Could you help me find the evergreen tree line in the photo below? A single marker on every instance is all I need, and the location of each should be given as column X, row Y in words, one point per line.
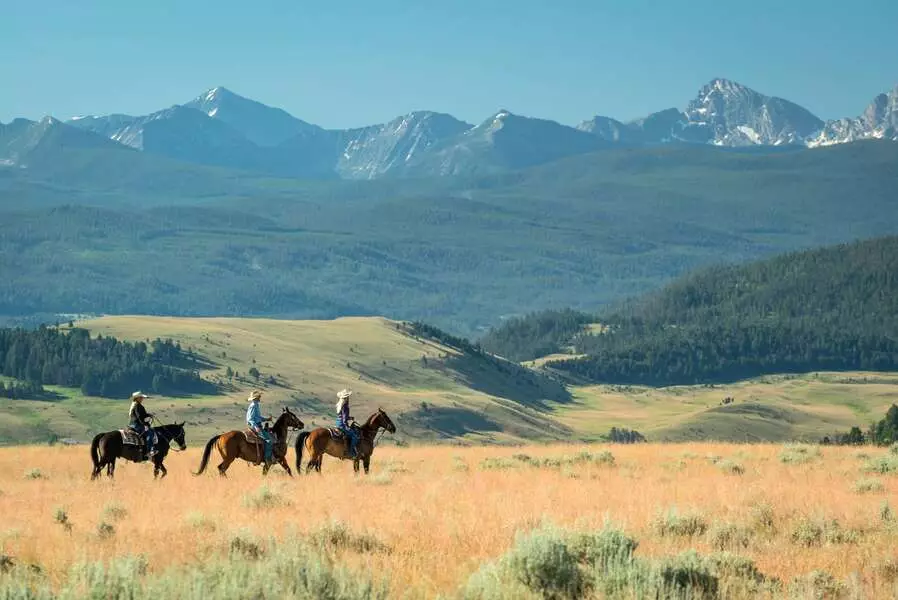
column 536, row 334
column 882, row 433
column 829, row 309
column 21, row 390
column 101, row 366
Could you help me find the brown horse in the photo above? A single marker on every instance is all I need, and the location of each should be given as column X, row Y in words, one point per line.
column 319, row 442
column 232, row 445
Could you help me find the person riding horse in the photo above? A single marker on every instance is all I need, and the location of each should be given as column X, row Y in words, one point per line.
column 254, row 420
column 139, row 421
column 344, row 421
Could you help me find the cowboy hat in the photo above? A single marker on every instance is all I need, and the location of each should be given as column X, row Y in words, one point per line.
column 138, row 396
column 256, row 395
column 343, row 394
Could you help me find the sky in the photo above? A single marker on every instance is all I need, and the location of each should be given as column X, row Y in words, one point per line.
column 344, row 64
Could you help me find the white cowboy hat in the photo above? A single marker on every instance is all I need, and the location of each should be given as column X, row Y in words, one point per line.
column 138, row 396
column 343, row 394
column 256, row 395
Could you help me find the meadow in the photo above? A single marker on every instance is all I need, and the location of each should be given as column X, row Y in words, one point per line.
column 691, row 520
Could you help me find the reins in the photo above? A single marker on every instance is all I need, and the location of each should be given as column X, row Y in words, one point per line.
column 168, row 440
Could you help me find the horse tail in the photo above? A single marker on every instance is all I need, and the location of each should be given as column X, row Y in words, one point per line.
column 300, row 442
column 206, row 454
column 95, row 450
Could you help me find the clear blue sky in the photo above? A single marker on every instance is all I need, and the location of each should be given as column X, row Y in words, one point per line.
column 339, row 63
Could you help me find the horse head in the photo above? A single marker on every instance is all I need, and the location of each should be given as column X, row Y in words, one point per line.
column 179, row 436
column 383, row 420
column 290, row 419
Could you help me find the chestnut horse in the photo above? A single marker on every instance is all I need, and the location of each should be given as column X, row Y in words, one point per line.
column 319, row 442
column 232, row 445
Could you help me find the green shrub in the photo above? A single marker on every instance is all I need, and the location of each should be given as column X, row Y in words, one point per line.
column 337, row 535
column 34, row 474
column 105, row 530
column 882, row 464
column 264, row 498
column 198, row 520
column 867, row 486
column 763, row 518
column 799, row 453
column 727, row 536
column 687, row 575
column 114, row 512
column 673, row 523
column 604, row 549
column 291, row 570
column 498, row 464
column 808, row 532
column 818, row 585
column 543, row 562
column 245, row 546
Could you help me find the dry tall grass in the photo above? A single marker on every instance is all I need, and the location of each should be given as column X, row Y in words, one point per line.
column 429, row 517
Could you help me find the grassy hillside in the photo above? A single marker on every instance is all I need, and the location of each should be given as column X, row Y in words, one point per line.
column 769, row 408
column 458, row 252
column 436, row 392
column 433, row 391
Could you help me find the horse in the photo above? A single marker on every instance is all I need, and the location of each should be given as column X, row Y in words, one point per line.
column 108, row 446
column 232, row 445
column 319, row 442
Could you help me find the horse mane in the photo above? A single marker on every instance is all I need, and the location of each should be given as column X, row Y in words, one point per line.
column 169, row 427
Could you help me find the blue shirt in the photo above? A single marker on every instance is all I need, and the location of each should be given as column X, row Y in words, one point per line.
column 254, row 414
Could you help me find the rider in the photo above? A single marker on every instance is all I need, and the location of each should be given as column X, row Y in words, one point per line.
column 139, row 417
column 254, row 420
column 344, row 421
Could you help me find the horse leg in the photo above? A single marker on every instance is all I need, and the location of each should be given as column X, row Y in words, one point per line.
column 110, row 468
column 366, row 462
column 223, row 467
column 98, row 469
column 159, row 468
column 283, row 462
column 355, row 465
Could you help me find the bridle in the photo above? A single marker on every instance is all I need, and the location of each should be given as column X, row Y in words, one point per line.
column 168, row 440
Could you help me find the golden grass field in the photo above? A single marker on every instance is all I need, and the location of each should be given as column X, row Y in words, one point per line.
column 442, row 513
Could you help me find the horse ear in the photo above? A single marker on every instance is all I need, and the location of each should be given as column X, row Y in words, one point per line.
column 285, row 409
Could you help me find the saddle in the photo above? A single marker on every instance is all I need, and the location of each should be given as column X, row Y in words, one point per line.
column 253, row 439
column 131, row 437
column 336, row 433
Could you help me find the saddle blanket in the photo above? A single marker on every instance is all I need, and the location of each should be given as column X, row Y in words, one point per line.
column 336, row 433
column 132, row 438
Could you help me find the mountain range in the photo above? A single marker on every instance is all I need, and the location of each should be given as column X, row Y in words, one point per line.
column 223, row 129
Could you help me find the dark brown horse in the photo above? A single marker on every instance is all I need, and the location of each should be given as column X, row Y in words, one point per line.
column 319, row 442
column 108, row 446
column 233, row 445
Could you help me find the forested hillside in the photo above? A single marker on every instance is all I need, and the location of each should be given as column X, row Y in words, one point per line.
column 829, row 309
column 458, row 252
column 100, row 366
column 536, row 334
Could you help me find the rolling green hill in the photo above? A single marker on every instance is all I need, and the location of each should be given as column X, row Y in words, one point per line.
column 458, row 252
